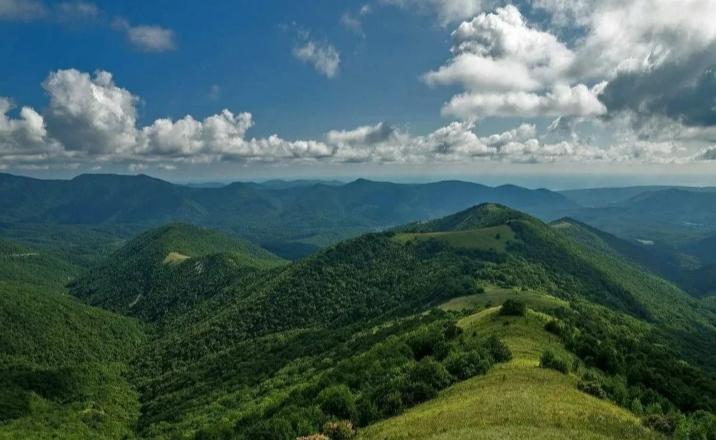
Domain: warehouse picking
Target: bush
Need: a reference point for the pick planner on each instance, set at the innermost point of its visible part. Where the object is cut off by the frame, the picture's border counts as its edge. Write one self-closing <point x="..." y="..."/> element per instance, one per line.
<point x="551" y="361"/>
<point x="389" y="403"/>
<point x="499" y="351"/>
<point x="430" y="372"/>
<point x="512" y="308"/>
<point x="592" y="387"/>
<point x="664" y="423"/>
<point x="464" y="365"/>
<point x="338" y="401"/>
<point x="339" y="430"/>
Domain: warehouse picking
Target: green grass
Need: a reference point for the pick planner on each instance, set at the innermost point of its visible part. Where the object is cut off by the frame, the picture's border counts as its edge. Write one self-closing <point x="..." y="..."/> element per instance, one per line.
<point x="493" y="238"/>
<point x="494" y="295"/>
<point x="517" y="400"/>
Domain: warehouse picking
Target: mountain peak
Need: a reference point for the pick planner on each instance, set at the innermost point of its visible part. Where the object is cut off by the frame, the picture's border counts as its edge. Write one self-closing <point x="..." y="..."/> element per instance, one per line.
<point x="478" y="216"/>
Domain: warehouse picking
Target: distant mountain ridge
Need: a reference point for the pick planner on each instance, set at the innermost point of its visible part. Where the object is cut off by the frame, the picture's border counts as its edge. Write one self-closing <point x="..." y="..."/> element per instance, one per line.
<point x="276" y="214"/>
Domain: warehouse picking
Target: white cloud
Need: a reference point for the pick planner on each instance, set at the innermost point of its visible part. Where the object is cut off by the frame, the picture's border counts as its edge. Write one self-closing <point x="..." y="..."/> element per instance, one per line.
<point x="642" y="34"/>
<point x="90" y="120"/>
<point x="22" y="10"/>
<point x="147" y="38"/>
<point x="561" y="100"/>
<point x="26" y="135"/>
<point x="447" y="11"/>
<point x="322" y="55"/>
<point x="511" y="69"/>
<point x="90" y="114"/>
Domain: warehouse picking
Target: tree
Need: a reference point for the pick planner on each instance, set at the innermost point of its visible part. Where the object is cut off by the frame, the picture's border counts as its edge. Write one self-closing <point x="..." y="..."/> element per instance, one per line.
<point x="339" y="402"/>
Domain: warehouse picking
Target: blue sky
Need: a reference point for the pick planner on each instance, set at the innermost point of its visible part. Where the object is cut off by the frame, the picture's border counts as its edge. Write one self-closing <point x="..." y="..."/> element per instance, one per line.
<point x="539" y="91"/>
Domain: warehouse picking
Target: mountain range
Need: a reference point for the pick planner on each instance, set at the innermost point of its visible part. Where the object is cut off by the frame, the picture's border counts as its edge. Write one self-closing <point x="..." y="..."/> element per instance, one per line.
<point x="187" y="332"/>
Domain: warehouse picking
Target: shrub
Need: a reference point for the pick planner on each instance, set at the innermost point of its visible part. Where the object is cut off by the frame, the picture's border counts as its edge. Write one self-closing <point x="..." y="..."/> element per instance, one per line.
<point x="338" y="401"/>
<point x="464" y="365"/>
<point x="499" y="351"/>
<point x="430" y="372"/>
<point x="551" y="361"/>
<point x="426" y="342"/>
<point x="339" y="430"/>
<point x="592" y="387"/>
<point x="389" y="403"/>
<point x="451" y="330"/>
<point x="664" y="423"/>
<point x="512" y="308"/>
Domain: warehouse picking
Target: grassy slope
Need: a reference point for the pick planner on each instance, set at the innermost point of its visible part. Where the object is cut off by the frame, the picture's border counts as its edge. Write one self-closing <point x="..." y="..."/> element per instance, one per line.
<point x="495" y="295"/>
<point x="494" y="238"/>
<point x="517" y="400"/>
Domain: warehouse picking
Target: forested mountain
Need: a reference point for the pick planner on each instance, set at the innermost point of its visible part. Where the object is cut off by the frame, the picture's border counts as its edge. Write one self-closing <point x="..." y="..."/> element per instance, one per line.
<point x="244" y="345"/>
<point x="291" y="219"/>
<point x="61" y="361"/>
<point x="237" y="343"/>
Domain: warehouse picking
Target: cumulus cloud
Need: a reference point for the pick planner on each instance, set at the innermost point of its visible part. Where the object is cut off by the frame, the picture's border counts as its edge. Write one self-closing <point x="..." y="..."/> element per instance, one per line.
<point x="322" y="55"/>
<point x="24" y="135"/>
<point x="511" y="69"/>
<point x="90" y="120"/>
<point x="561" y="100"/>
<point x="147" y="38"/>
<point x="90" y="113"/>
<point x="683" y="91"/>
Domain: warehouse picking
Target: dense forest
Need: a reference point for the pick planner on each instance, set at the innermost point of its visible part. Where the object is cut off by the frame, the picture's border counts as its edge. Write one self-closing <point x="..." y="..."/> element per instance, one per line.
<point x="183" y="332"/>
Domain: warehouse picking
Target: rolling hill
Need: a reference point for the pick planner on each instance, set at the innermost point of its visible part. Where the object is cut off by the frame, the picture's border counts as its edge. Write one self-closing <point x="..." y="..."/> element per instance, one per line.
<point x="478" y="318"/>
<point x="169" y="268"/>
<point x="256" y="352"/>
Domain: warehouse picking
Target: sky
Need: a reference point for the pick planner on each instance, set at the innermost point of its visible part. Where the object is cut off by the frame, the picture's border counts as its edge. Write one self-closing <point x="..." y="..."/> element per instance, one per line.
<point x="554" y="93"/>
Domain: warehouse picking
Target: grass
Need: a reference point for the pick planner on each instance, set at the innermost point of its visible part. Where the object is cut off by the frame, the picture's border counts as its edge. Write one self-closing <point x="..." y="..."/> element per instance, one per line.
<point x="494" y="295"/>
<point x="175" y="258"/>
<point x="493" y="238"/>
<point x="516" y="400"/>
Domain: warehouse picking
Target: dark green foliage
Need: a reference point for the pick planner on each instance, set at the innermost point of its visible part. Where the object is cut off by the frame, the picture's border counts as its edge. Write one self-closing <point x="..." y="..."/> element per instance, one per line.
<point x="338" y="401"/>
<point x="498" y="350"/>
<point x="464" y="365"/>
<point x="142" y="279"/>
<point x="243" y="350"/>
<point x="663" y="423"/>
<point x="275" y="428"/>
<point x="592" y="387"/>
<point x="512" y="308"/>
<point x="552" y="361"/>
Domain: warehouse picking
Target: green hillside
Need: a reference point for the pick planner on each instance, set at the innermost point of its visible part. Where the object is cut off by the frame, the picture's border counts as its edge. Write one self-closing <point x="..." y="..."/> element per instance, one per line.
<point x="61" y="361"/>
<point x="517" y="400"/>
<point x="169" y="268"/>
<point x="388" y="333"/>
<point x="246" y="355"/>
